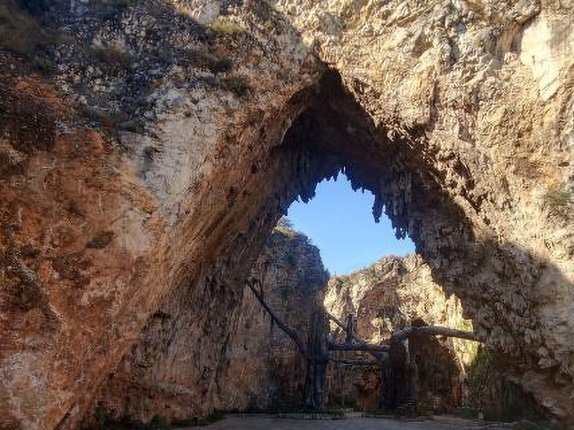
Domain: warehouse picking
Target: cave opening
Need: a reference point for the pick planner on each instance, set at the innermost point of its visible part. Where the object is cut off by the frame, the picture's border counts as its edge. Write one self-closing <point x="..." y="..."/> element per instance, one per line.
<point x="334" y="137"/>
<point x="322" y="133"/>
<point x="339" y="221"/>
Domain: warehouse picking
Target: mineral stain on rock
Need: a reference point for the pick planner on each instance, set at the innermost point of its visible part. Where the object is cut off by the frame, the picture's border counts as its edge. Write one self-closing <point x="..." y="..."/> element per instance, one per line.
<point x="457" y="116"/>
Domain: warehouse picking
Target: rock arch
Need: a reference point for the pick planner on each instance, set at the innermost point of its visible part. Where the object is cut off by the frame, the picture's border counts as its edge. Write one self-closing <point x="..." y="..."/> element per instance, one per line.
<point x="100" y="232"/>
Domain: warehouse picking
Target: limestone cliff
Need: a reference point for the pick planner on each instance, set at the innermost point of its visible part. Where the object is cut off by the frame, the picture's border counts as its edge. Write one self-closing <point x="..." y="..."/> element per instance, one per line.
<point x="258" y="367"/>
<point x="151" y="146"/>
<point x="474" y="102"/>
<point x="390" y="295"/>
<point x="102" y="217"/>
<point x="264" y="370"/>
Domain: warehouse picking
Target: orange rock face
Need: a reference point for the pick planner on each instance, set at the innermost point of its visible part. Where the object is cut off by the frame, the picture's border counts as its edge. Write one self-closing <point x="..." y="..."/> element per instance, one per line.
<point x="93" y="237"/>
<point x="166" y="138"/>
<point x="68" y="257"/>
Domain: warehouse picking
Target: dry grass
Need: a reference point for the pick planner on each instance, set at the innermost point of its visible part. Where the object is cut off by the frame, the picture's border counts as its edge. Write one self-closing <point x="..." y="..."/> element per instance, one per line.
<point x="558" y="200"/>
<point x="201" y="59"/>
<point x="236" y="84"/>
<point x="23" y="31"/>
<point x="115" y="59"/>
<point x="19" y="31"/>
<point x="108" y="119"/>
<point x="224" y="26"/>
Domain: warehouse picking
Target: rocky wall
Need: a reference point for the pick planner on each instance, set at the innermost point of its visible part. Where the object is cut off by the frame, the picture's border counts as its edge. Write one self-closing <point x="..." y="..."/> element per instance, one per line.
<point x="101" y="219"/>
<point x="264" y="370"/>
<point x="170" y="372"/>
<point x="167" y="138"/>
<point x="389" y="295"/>
<point x="473" y="100"/>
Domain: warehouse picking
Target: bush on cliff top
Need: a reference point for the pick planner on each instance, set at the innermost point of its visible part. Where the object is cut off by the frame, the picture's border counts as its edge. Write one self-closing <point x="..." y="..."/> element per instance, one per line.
<point x="24" y="30"/>
<point x="558" y="200"/>
<point x="224" y="26"/>
<point x="286" y="228"/>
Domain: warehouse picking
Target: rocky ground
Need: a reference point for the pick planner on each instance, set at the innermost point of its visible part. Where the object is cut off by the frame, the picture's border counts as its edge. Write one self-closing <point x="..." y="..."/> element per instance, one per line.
<point x="438" y="423"/>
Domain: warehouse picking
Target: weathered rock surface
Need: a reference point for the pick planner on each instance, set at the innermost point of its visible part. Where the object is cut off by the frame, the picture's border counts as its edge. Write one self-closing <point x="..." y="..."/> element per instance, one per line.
<point x="457" y="115"/>
<point x="390" y="295"/>
<point x="264" y="369"/>
<point x="474" y="101"/>
<point x="258" y="367"/>
<point x="96" y="229"/>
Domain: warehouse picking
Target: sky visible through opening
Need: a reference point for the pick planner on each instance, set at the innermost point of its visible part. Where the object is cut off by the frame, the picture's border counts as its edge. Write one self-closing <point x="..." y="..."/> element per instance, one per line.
<point x="339" y="221"/>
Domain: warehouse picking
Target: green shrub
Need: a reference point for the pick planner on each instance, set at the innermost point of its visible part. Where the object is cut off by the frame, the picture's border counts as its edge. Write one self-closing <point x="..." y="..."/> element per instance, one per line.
<point x="463" y="324"/>
<point x="478" y="377"/>
<point x="285" y="223"/>
<point x="224" y="26"/>
<point x="558" y="200"/>
<point x="236" y="84"/>
<point x="112" y="57"/>
<point x="290" y="234"/>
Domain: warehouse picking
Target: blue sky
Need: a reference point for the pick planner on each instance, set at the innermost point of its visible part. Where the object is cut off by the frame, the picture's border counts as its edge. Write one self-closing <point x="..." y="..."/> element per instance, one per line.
<point x="340" y="222"/>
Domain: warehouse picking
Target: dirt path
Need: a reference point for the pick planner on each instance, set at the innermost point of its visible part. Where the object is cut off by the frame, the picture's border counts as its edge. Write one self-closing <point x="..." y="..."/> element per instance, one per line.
<point x="272" y="423"/>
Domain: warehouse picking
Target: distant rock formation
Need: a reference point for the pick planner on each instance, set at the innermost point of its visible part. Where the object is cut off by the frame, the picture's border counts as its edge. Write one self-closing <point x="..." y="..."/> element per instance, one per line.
<point x="383" y="298"/>
<point x="264" y="369"/>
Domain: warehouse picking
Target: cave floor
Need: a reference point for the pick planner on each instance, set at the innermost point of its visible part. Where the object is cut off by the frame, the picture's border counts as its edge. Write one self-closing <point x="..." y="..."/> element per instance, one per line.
<point x="262" y="422"/>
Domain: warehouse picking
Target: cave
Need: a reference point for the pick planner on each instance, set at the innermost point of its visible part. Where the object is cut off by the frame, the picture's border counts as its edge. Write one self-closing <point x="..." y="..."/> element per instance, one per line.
<point x="330" y="135"/>
<point x="148" y="150"/>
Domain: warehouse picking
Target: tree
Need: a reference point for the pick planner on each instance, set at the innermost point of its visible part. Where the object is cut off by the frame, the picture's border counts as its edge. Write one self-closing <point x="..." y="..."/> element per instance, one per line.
<point x="399" y="373"/>
<point x="285" y="222"/>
